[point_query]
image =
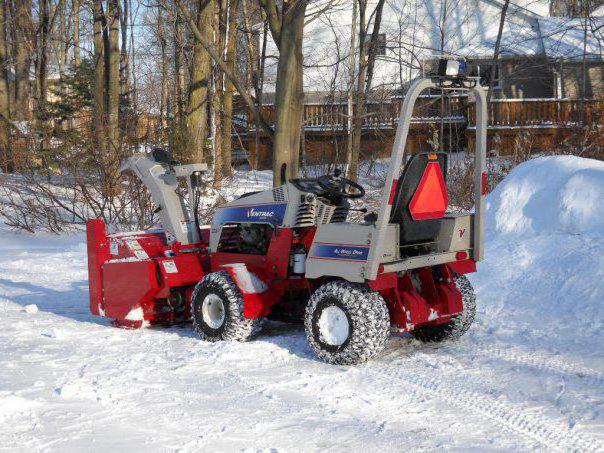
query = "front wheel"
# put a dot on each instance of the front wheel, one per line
(217, 306)
(459, 325)
(346, 323)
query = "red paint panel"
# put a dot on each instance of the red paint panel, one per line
(484, 183)
(98, 253)
(384, 281)
(277, 257)
(128, 285)
(392, 192)
(462, 267)
(430, 198)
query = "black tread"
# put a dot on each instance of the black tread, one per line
(236, 327)
(367, 313)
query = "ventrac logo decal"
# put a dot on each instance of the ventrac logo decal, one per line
(254, 213)
(462, 231)
(345, 252)
(267, 212)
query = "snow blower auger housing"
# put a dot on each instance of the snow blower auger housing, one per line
(289, 253)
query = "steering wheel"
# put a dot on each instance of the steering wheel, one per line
(336, 187)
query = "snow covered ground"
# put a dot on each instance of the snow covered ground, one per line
(529, 374)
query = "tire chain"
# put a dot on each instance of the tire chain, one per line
(238, 327)
(370, 322)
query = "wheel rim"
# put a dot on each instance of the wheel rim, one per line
(212, 310)
(334, 326)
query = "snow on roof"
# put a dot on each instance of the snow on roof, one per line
(424, 29)
(564, 37)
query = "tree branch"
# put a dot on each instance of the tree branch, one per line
(231, 75)
(272, 14)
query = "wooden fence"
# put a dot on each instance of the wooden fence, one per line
(539, 124)
(503, 113)
(527, 113)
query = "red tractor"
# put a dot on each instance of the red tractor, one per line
(290, 253)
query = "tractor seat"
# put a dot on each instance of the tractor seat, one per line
(420, 199)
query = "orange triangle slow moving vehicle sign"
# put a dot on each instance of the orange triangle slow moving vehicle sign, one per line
(430, 199)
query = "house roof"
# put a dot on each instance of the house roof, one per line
(417, 30)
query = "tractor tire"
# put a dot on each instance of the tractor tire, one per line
(217, 309)
(346, 323)
(459, 325)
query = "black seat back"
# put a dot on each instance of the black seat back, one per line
(416, 231)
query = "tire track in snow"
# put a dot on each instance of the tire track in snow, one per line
(504, 414)
(587, 376)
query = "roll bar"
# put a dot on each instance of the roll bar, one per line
(398, 153)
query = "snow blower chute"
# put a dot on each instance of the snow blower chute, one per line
(289, 253)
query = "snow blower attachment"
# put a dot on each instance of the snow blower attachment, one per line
(290, 254)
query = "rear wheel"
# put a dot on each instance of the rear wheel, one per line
(346, 323)
(217, 306)
(459, 325)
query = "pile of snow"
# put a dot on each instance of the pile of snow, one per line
(561, 194)
(544, 263)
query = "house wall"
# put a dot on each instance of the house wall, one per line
(572, 79)
(528, 77)
(522, 77)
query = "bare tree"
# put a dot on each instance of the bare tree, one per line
(164, 97)
(497, 49)
(99, 108)
(5, 157)
(219, 26)
(112, 75)
(22, 51)
(229, 89)
(75, 6)
(367, 54)
(233, 76)
(287, 28)
(197, 111)
(124, 70)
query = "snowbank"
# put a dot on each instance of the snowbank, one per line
(549, 194)
(544, 267)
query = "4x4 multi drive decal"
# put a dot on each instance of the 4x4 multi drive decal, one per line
(345, 252)
(265, 213)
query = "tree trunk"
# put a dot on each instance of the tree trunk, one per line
(76, 32)
(163, 107)
(201, 73)
(134, 89)
(41, 67)
(358, 113)
(23, 50)
(289, 96)
(63, 39)
(229, 90)
(351, 73)
(220, 19)
(495, 63)
(6, 161)
(112, 75)
(375, 36)
(42, 55)
(124, 70)
(98, 111)
(367, 55)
